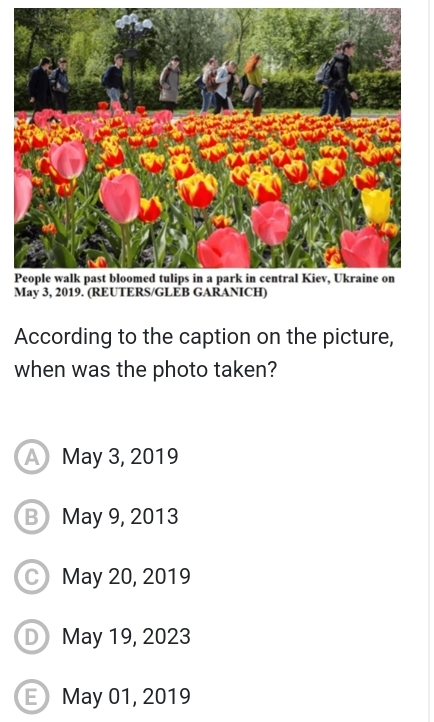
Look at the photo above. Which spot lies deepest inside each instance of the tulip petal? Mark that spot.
(23, 190)
(121, 197)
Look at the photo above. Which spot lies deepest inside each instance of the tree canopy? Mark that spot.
(287, 38)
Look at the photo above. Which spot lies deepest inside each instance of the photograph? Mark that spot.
(264, 138)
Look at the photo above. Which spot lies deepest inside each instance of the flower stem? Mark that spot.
(71, 200)
(207, 221)
(68, 222)
(126, 261)
(154, 246)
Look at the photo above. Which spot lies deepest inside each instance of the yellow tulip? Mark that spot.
(376, 205)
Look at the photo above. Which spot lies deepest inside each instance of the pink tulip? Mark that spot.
(225, 248)
(158, 129)
(22, 115)
(271, 222)
(68, 159)
(22, 192)
(121, 197)
(163, 116)
(88, 128)
(364, 249)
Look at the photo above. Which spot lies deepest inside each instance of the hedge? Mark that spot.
(378, 89)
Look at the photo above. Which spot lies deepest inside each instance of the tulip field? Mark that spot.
(126, 190)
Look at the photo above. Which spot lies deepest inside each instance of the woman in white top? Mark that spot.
(221, 80)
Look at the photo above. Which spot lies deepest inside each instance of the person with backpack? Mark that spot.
(169, 83)
(39, 87)
(323, 76)
(221, 80)
(112, 80)
(60, 86)
(253, 94)
(233, 78)
(208, 80)
(339, 80)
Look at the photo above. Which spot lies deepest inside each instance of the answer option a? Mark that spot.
(31, 456)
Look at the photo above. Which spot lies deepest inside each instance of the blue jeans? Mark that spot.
(339, 98)
(324, 110)
(114, 94)
(207, 99)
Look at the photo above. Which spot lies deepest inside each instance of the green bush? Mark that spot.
(377, 89)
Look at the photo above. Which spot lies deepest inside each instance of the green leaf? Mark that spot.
(189, 260)
(184, 219)
(63, 257)
(114, 227)
(21, 256)
(293, 260)
(160, 246)
(111, 262)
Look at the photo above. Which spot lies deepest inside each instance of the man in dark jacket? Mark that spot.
(60, 86)
(113, 80)
(39, 87)
(340, 82)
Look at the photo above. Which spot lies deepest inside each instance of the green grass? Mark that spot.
(389, 112)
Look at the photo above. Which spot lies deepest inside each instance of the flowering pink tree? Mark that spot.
(391, 20)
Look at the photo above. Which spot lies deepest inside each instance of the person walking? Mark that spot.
(340, 83)
(254, 92)
(233, 78)
(113, 80)
(221, 80)
(169, 81)
(208, 76)
(326, 89)
(39, 87)
(60, 85)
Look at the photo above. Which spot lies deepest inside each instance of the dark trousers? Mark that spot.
(61, 101)
(336, 98)
(324, 110)
(169, 105)
(220, 104)
(257, 106)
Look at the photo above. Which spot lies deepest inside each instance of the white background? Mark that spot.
(303, 499)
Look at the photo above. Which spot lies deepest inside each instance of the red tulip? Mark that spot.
(68, 159)
(23, 190)
(121, 197)
(364, 249)
(225, 248)
(271, 222)
(99, 263)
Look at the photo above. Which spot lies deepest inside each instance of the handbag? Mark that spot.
(199, 82)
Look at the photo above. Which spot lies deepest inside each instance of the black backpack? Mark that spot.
(324, 73)
(243, 84)
(105, 77)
